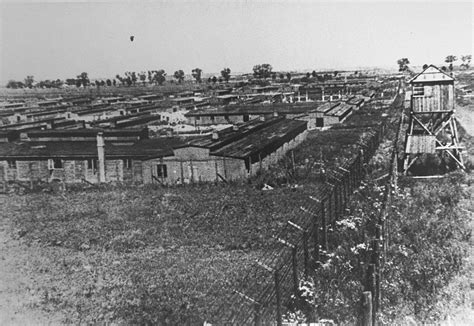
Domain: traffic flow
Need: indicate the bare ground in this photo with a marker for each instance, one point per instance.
(19, 304)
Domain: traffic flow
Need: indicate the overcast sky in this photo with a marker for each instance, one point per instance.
(50, 39)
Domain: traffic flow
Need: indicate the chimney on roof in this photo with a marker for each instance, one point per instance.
(235, 128)
(101, 156)
(262, 117)
(275, 113)
(215, 135)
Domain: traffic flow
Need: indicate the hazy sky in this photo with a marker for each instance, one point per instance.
(62, 39)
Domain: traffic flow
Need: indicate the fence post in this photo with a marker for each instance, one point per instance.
(257, 319)
(371, 286)
(366, 308)
(316, 238)
(324, 226)
(376, 258)
(305, 248)
(330, 209)
(336, 201)
(294, 264)
(278, 298)
(341, 199)
(345, 182)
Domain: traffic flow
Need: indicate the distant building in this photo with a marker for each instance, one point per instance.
(231, 154)
(73, 156)
(329, 114)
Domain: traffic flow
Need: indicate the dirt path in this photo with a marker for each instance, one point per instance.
(465, 116)
(18, 302)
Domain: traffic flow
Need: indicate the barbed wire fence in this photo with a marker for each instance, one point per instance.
(380, 238)
(262, 295)
(300, 247)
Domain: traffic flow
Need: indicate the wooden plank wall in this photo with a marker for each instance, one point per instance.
(421, 144)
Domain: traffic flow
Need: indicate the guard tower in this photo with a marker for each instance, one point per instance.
(431, 128)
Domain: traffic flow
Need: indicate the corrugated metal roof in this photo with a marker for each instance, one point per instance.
(87, 132)
(229, 135)
(143, 149)
(339, 110)
(257, 109)
(326, 107)
(263, 141)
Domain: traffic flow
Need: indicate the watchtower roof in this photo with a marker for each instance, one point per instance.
(431, 74)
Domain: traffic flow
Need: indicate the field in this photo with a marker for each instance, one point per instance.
(166, 256)
(143, 255)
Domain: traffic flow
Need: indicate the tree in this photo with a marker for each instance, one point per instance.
(314, 73)
(450, 59)
(109, 82)
(214, 79)
(70, 81)
(288, 76)
(262, 71)
(29, 80)
(114, 82)
(160, 77)
(466, 61)
(403, 65)
(281, 76)
(197, 73)
(150, 75)
(142, 76)
(225, 73)
(179, 75)
(15, 84)
(84, 79)
(308, 75)
(425, 66)
(120, 79)
(443, 68)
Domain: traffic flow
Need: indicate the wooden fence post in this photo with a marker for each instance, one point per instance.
(366, 308)
(345, 182)
(376, 261)
(305, 248)
(316, 239)
(336, 201)
(331, 216)
(257, 318)
(294, 264)
(278, 298)
(371, 286)
(324, 227)
(292, 160)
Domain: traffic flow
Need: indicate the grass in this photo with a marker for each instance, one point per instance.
(147, 255)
